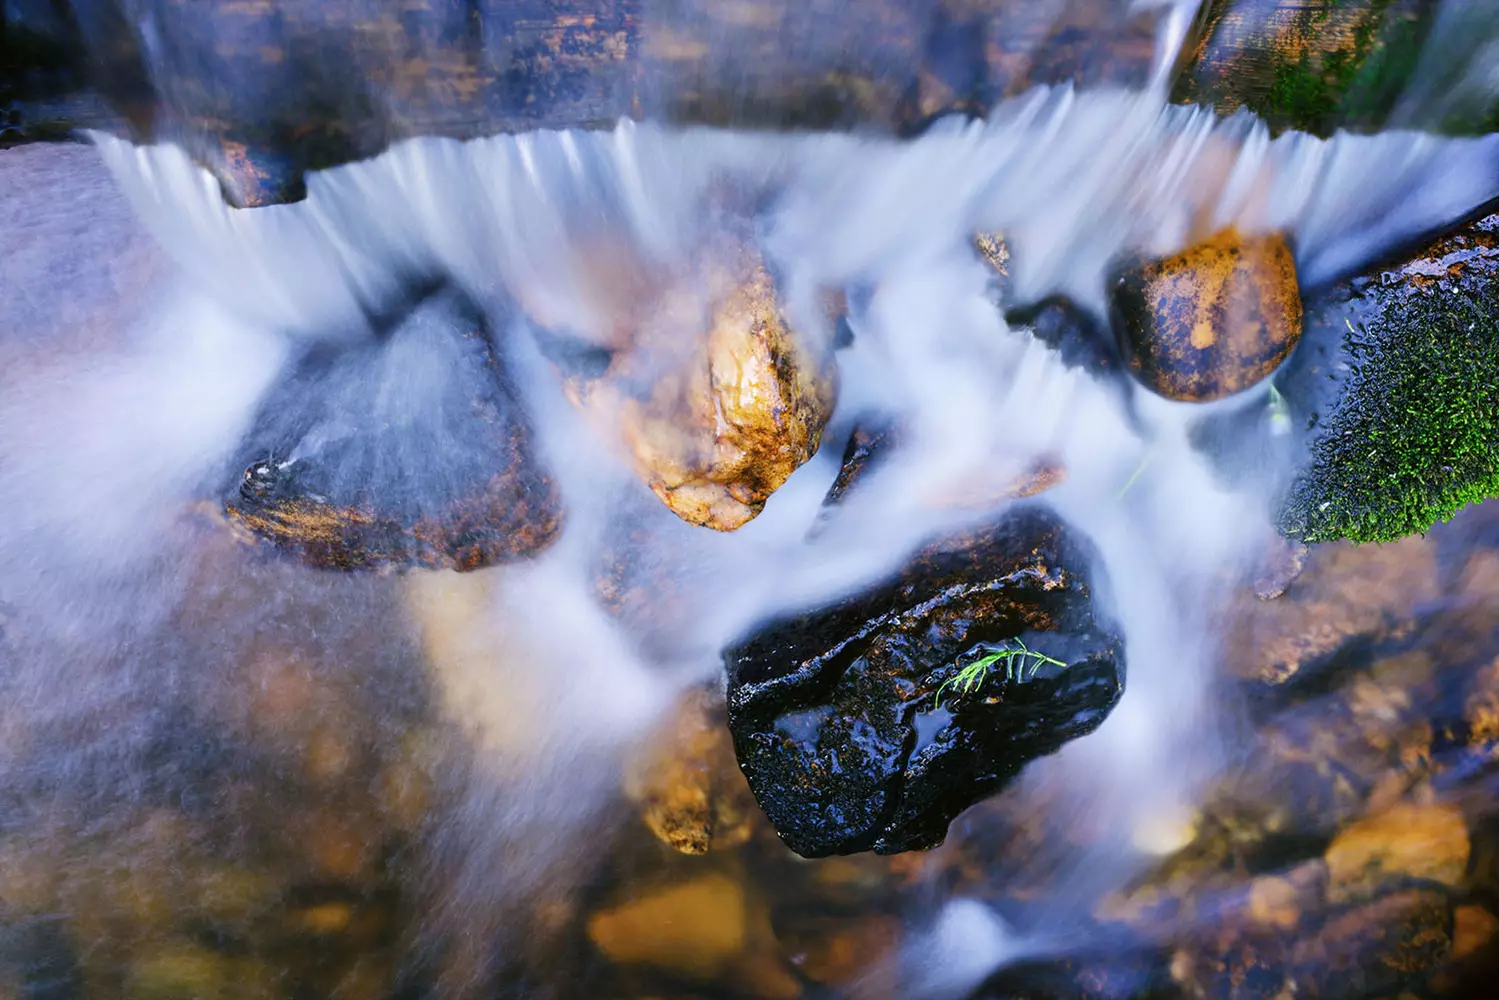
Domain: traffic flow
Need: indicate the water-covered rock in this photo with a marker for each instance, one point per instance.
(1212, 320)
(414, 450)
(684, 781)
(871, 724)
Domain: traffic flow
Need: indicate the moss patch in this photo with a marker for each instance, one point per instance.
(1413, 435)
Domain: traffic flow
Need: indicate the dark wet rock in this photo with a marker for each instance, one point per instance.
(1376, 948)
(840, 717)
(869, 443)
(412, 451)
(1079, 340)
(1213, 320)
(1394, 395)
(1077, 337)
(1096, 975)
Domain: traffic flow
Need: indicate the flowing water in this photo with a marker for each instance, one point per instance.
(132, 620)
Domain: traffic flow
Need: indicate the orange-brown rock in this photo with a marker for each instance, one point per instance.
(1213, 320)
(1426, 842)
(696, 928)
(1343, 591)
(686, 782)
(716, 399)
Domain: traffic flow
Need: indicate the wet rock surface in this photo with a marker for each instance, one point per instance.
(341, 469)
(259, 106)
(852, 724)
(690, 794)
(716, 398)
(1213, 320)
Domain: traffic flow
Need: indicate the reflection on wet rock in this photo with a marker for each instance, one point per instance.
(871, 724)
(343, 473)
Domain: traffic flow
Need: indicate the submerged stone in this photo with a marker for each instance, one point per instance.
(871, 724)
(1214, 319)
(411, 451)
(684, 780)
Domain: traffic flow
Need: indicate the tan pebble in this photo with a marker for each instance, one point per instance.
(841, 957)
(691, 793)
(1412, 841)
(1474, 928)
(696, 928)
(330, 756)
(325, 918)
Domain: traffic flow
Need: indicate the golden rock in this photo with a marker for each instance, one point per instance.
(1427, 842)
(1213, 320)
(696, 928)
(718, 401)
(687, 783)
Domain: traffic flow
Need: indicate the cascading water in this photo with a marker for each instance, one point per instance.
(104, 449)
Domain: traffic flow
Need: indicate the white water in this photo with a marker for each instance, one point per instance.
(99, 456)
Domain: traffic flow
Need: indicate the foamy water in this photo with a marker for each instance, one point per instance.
(99, 455)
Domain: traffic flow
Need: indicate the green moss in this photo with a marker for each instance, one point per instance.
(1355, 86)
(1325, 90)
(1414, 435)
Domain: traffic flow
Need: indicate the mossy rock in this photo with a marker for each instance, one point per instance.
(1398, 393)
(1322, 65)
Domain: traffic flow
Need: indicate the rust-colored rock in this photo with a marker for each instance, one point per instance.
(1213, 320)
(716, 398)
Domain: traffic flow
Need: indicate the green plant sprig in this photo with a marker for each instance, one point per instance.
(1020, 662)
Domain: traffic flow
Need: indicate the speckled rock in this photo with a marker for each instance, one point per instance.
(1213, 320)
